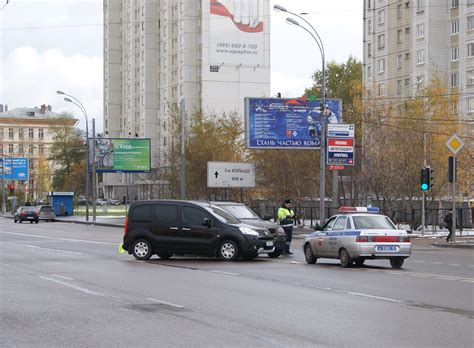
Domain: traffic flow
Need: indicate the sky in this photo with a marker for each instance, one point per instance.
(58, 45)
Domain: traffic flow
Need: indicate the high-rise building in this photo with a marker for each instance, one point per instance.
(162, 55)
(407, 41)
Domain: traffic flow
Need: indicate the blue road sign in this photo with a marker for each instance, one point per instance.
(14, 168)
(273, 123)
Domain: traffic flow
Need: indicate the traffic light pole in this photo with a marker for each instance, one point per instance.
(4, 204)
(454, 199)
(423, 212)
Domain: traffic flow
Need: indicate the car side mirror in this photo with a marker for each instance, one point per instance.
(318, 227)
(207, 222)
(267, 217)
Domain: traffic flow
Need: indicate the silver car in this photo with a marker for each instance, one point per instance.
(353, 237)
(46, 212)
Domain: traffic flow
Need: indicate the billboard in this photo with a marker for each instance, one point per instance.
(273, 123)
(236, 31)
(14, 168)
(114, 155)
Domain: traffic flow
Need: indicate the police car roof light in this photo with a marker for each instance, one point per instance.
(359, 210)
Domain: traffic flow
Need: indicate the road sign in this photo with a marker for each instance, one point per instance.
(455, 144)
(340, 130)
(332, 167)
(15, 168)
(340, 151)
(230, 174)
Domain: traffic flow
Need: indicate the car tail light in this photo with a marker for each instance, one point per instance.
(23, 213)
(126, 226)
(404, 239)
(385, 239)
(362, 239)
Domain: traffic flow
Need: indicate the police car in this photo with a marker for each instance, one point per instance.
(355, 235)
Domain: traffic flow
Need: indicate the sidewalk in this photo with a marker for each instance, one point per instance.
(464, 240)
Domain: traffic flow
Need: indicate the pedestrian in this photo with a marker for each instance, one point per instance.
(286, 216)
(28, 204)
(448, 219)
(61, 208)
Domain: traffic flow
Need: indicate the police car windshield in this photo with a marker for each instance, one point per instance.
(239, 211)
(373, 222)
(222, 215)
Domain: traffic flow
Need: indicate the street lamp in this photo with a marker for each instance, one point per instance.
(323, 113)
(77, 102)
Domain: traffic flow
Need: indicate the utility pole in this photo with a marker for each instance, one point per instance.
(94, 183)
(423, 218)
(182, 156)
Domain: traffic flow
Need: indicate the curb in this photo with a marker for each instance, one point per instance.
(92, 223)
(454, 245)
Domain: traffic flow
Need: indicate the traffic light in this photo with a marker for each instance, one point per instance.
(11, 187)
(431, 177)
(452, 164)
(425, 179)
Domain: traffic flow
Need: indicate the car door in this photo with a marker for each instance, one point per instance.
(197, 237)
(336, 237)
(322, 246)
(165, 227)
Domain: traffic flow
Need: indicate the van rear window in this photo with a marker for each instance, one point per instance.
(48, 209)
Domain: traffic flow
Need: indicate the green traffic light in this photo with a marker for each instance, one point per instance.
(424, 187)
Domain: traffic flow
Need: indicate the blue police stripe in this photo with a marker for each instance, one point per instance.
(344, 233)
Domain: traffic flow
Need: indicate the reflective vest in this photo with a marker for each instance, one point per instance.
(285, 216)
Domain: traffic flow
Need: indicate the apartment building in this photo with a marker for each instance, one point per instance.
(407, 41)
(165, 56)
(28, 133)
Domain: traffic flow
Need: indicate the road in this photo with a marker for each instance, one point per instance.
(66, 285)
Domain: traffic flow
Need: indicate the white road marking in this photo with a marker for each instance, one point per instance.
(62, 277)
(294, 262)
(226, 273)
(84, 290)
(164, 302)
(60, 239)
(55, 250)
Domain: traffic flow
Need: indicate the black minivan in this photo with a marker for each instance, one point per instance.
(168, 227)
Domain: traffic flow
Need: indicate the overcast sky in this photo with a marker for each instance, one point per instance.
(58, 45)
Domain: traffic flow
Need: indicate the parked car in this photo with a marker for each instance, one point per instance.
(248, 216)
(26, 213)
(46, 212)
(168, 227)
(113, 201)
(102, 201)
(358, 234)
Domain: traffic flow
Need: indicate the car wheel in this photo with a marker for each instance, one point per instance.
(164, 256)
(345, 258)
(274, 255)
(14, 220)
(396, 262)
(228, 250)
(31, 221)
(141, 249)
(309, 255)
(36, 221)
(20, 221)
(359, 262)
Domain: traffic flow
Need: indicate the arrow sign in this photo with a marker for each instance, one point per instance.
(216, 174)
(230, 174)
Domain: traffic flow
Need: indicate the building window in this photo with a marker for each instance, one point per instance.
(381, 64)
(399, 61)
(30, 149)
(470, 22)
(455, 27)
(369, 73)
(41, 133)
(369, 49)
(41, 149)
(381, 41)
(407, 82)
(20, 133)
(399, 36)
(454, 53)
(10, 148)
(470, 78)
(381, 89)
(399, 11)
(399, 87)
(407, 30)
(454, 3)
(420, 30)
(1, 133)
(21, 149)
(420, 57)
(454, 79)
(420, 6)
(470, 50)
(369, 26)
(10, 133)
(470, 104)
(381, 17)
(419, 82)
(454, 107)
(31, 134)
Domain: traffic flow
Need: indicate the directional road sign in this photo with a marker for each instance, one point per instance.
(230, 174)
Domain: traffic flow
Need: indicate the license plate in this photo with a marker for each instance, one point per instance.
(30, 217)
(386, 248)
(269, 243)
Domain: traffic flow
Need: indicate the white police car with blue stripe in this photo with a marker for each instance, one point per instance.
(355, 235)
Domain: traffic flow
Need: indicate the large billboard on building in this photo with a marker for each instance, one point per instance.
(14, 168)
(236, 31)
(273, 123)
(113, 155)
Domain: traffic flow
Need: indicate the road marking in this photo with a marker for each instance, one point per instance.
(294, 262)
(84, 290)
(55, 250)
(226, 273)
(419, 275)
(164, 302)
(60, 276)
(60, 239)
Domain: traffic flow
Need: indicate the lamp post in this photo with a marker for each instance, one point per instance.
(322, 162)
(76, 102)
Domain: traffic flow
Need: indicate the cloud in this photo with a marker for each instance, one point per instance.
(31, 78)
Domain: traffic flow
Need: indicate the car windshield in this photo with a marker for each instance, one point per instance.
(27, 208)
(239, 211)
(373, 222)
(222, 215)
(46, 209)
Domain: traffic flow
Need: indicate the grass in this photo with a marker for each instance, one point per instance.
(110, 210)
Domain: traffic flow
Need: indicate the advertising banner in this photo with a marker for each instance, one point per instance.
(113, 155)
(14, 168)
(273, 123)
(236, 31)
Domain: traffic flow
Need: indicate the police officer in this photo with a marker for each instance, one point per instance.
(286, 216)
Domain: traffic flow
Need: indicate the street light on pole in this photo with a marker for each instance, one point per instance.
(322, 162)
(77, 102)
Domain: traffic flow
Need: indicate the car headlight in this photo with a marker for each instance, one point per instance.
(248, 231)
(280, 230)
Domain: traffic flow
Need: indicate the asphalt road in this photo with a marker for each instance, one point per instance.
(67, 285)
